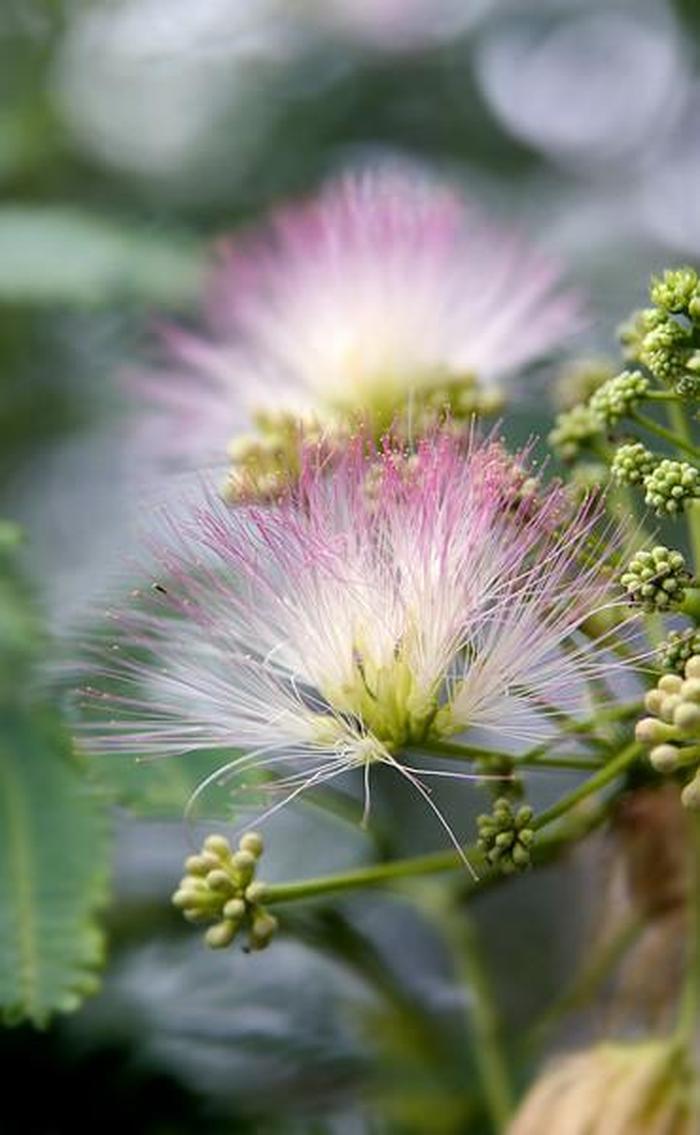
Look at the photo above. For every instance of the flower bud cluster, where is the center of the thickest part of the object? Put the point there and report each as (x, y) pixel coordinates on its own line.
(585, 478)
(219, 885)
(575, 429)
(677, 291)
(580, 379)
(670, 485)
(656, 579)
(457, 398)
(665, 338)
(666, 349)
(632, 463)
(674, 729)
(674, 652)
(506, 836)
(618, 396)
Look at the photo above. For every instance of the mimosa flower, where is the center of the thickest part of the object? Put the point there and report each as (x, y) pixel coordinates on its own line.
(385, 291)
(399, 601)
(613, 1089)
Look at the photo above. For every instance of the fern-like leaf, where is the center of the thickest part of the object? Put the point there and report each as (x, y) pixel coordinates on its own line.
(53, 871)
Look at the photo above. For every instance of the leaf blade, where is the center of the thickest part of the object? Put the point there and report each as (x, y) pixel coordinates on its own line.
(53, 872)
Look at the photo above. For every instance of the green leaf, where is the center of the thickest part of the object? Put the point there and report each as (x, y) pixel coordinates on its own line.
(56, 254)
(53, 871)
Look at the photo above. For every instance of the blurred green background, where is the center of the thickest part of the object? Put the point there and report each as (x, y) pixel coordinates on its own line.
(132, 133)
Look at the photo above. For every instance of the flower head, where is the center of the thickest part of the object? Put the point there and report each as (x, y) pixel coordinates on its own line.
(612, 1089)
(401, 600)
(386, 290)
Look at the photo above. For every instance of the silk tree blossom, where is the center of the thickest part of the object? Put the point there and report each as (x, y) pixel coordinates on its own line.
(402, 600)
(387, 290)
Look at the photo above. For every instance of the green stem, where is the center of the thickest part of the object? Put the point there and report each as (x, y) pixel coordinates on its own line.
(535, 759)
(674, 439)
(679, 423)
(381, 874)
(692, 510)
(485, 1022)
(661, 396)
(607, 773)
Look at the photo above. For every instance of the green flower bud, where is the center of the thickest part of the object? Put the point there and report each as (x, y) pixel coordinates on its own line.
(195, 915)
(573, 430)
(219, 886)
(656, 579)
(244, 865)
(183, 899)
(670, 485)
(675, 289)
(505, 836)
(219, 880)
(677, 649)
(690, 690)
(670, 684)
(262, 929)
(221, 935)
(688, 385)
(664, 758)
(196, 865)
(251, 842)
(218, 845)
(631, 333)
(674, 731)
(632, 463)
(651, 731)
(235, 910)
(615, 398)
(578, 380)
(587, 477)
(690, 796)
(687, 717)
(666, 348)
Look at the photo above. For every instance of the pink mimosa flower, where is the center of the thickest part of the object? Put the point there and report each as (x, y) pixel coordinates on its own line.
(386, 288)
(401, 600)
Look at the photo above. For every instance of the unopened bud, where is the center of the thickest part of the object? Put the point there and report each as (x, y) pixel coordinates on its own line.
(669, 705)
(183, 898)
(670, 683)
(687, 717)
(664, 758)
(690, 795)
(690, 690)
(653, 700)
(692, 667)
(196, 865)
(244, 865)
(220, 935)
(651, 731)
(218, 845)
(262, 929)
(218, 880)
(234, 909)
(255, 892)
(251, 842)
